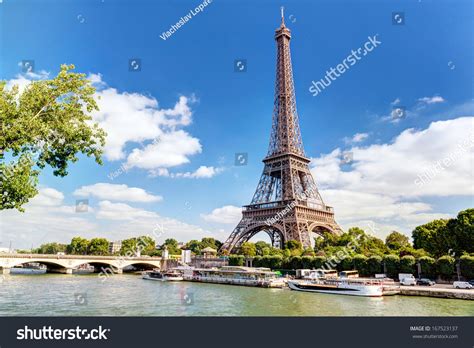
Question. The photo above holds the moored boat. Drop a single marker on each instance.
(348, 283)
(337, 286)
(236, 275)
(163, 276)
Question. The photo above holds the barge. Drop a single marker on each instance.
(235, 275)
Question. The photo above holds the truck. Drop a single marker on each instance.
(406, 279)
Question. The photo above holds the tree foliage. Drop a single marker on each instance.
(392, 265)
(78, 246)
(396, 240)
(46, 124)
(467, 266)
(98, 246)
(50, 248)
(428, 266)
(445, 265)
(248, 249)
(172, 245)
(407, 264)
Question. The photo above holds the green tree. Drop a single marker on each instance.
(248, 249)
(261, 246)
(172, 245)
(318, 262)
(392, 265)
(236, 260)
(429, 237)
(211, 243)
(50, 248)
(374, 265)
(462, 230)
(295, 262)
(257, 261)
(276, 251)
(396, 240)
(147, 245)
(407, 264)
(467, 266)
(306, 261)
(428, 267)
(78, 246)
(194, 245)
(275, 261)
(445, 266)
(360, 264)
(129, 247)
(98, 246)
(295, 247)
(347, 264)
(49, 123)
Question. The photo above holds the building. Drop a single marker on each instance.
(114, 247)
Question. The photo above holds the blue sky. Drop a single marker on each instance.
(424, 65)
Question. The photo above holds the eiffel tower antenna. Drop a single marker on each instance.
(286, 204)
(282, 15)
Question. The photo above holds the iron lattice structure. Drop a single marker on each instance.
(286, 204)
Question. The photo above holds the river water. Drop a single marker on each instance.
(129, 295)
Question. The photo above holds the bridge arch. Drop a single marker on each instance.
(50, 264)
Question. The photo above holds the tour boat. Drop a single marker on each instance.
(347, 283)
(163, 276)
(236, 275)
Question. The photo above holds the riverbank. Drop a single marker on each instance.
(438, 291)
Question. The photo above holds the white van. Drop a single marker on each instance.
(406, 279)
(462, 285)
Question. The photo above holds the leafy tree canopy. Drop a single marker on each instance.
(48, 123)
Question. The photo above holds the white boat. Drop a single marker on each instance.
(163, 276)
(236, 275)
(338, 286)
(348, 283)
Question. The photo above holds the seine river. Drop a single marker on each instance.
(129, 295)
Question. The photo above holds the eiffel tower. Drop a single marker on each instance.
(287, 204)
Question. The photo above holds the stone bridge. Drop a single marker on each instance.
(66, 263)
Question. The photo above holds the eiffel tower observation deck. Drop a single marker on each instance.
(286, 204)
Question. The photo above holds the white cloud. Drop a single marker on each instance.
(116, 192)
(384, 181)
(172, 149)
(201, 172)
(48, 219)
(399, 112)
(357, 138)
(96, 80)
(121, 211)
(136, 118)
(395, 168)
(432, 100)
(24, 79)
(227, 214)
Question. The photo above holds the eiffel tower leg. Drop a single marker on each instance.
(235, 237)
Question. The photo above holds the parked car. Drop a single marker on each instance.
(462, 285)
(425, 281)
(471, 282)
